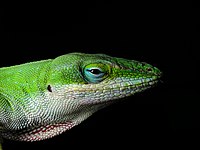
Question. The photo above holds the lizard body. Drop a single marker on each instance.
(41, 99)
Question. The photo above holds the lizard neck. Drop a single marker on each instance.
(18, 85)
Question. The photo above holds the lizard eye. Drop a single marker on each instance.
(95, 73)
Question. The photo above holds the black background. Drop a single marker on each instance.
(162, 33)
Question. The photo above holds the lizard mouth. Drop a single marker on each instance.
(140, 86)
(144, 85)
(39, 133)
(116, 91)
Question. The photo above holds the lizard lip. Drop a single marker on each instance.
(122, 90)
(146, 83)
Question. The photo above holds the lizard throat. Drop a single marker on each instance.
(40, 133)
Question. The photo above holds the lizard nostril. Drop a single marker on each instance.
(149, 69)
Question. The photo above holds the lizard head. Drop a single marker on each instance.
(77, 85)
(98, 78)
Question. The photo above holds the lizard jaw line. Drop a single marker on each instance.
(124, 92)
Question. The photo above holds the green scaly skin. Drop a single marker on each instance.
(39, 100)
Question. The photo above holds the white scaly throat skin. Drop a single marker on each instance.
(54, 112)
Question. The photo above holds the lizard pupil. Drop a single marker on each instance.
(95, 71)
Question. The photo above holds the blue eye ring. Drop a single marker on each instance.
(95, 73)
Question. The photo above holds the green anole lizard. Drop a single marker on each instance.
(42, 99)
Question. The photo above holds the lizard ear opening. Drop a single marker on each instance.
(49, 88)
